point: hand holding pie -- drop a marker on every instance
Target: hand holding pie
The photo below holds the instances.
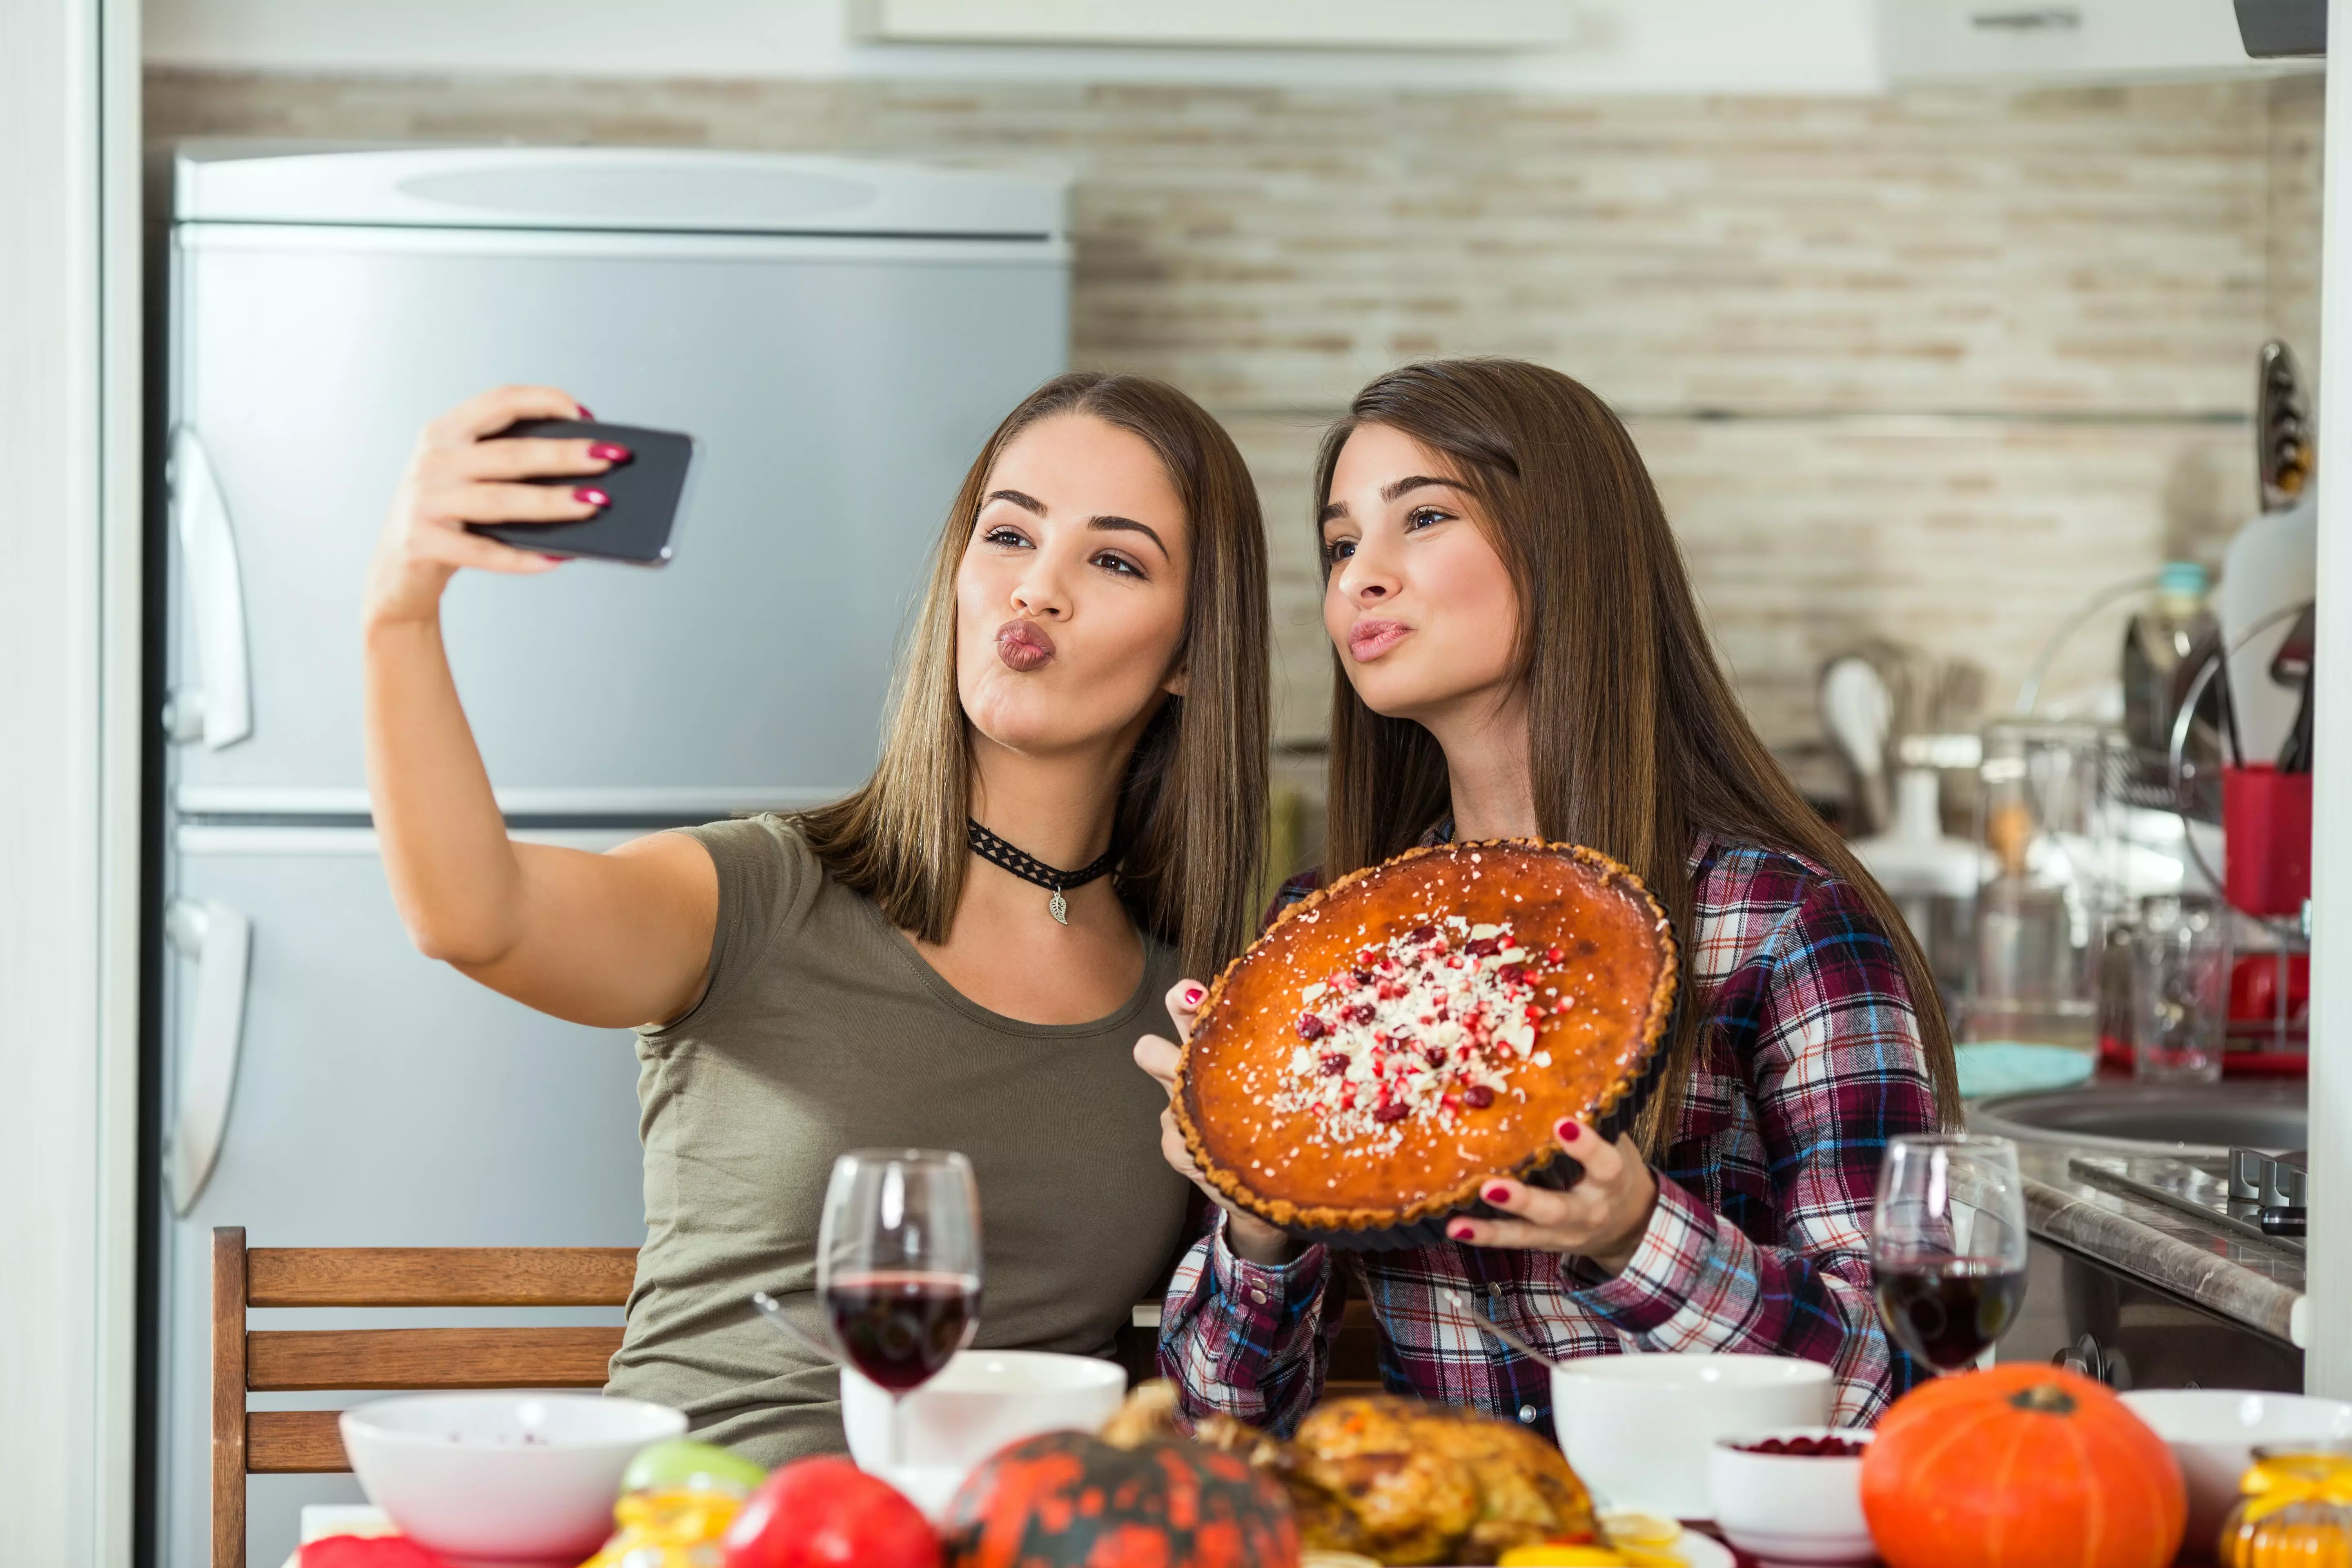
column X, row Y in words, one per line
column 1602, row 1217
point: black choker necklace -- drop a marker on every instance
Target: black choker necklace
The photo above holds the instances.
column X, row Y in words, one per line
column 1029, row 868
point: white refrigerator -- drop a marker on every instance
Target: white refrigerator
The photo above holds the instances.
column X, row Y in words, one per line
column 839, row 336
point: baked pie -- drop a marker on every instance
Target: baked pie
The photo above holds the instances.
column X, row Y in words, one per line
column 1422, row 1025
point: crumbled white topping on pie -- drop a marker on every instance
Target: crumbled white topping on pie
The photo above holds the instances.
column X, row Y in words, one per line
column 1422, row 1028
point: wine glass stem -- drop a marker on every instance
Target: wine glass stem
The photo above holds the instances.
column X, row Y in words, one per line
column 891, row 1447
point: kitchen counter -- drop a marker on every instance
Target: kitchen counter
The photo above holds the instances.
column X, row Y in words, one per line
column 2256, row 1283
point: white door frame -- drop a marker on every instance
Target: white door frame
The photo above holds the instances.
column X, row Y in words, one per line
column 69, row 742
column 2327, row 1307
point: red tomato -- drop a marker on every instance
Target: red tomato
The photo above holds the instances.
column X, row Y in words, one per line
column 828, row 1513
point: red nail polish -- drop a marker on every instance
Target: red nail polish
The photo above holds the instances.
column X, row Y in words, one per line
column 555, row 560
column 1499, row 1194
column 1192, row 995
column 591, row 495
column 583, row 411
column 1567, row 1132
column 608, row 452
column 1459, row 1232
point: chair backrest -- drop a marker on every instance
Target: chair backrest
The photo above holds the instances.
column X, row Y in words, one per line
column 1355, row 1364
column 279, row 1442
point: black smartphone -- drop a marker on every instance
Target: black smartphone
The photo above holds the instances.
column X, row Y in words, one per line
column 648, row 492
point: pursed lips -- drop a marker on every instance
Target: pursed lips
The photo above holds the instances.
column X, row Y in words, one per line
column 1368, row 639
column 1024, row 646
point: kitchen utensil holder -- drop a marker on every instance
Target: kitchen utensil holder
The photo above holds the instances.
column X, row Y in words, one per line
column 2266, row 826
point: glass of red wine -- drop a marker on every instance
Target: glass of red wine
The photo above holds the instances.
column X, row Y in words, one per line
column 1947, row 1246
column 898, row 1263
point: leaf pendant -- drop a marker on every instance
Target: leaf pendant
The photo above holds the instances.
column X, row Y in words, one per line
column 1058, row 908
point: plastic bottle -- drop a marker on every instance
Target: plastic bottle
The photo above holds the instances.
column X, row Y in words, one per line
column 2157, row 642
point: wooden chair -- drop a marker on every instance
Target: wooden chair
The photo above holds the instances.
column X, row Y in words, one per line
column 306, row 1442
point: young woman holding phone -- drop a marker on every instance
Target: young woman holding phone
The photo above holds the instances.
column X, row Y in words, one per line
column 1522, row 656
column 1087, row 681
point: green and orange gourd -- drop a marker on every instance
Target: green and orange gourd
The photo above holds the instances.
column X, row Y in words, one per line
column 1068, row 1501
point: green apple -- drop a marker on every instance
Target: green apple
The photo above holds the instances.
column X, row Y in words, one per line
column 681, row 1464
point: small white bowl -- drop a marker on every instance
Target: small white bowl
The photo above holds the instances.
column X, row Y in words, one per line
column 2213, row 1433
column 1639, row 1428
column 980, row 1402
column 1791, row 1508
column 508, row 1477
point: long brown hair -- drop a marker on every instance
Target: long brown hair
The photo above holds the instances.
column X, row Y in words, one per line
column 1636, row 741
column 1192, row 807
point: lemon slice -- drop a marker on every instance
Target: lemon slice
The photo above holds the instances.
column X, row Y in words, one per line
column 1559, row 1554
column 1625, row 1527
column 1652, row 1557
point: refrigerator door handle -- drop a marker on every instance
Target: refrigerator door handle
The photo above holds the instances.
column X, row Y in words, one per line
column 221, row 942
column 217, row 710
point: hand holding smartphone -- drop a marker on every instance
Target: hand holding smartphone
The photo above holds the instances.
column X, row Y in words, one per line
column 647, row 492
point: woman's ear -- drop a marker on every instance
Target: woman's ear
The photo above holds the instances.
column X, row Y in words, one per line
column 1176, row 683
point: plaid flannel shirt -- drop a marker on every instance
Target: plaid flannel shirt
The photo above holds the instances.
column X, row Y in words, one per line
column 1810, row 1060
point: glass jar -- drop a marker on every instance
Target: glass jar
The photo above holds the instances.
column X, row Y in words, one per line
column 2180, row 990
column 2293, row 1511
column 2043, row 910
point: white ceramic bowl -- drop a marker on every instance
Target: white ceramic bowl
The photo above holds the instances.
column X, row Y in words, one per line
column 2213, row 1433
column 1790, row 1507
column 511, row 1478
column 981, row 1401
column 1639, row 1428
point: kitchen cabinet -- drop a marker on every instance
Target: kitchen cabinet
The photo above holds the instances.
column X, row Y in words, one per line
column 1976, row 40
column 2084, row 1313
column 1294, row 23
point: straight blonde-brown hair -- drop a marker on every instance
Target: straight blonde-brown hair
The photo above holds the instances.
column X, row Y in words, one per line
column 1191, row 822
column 1636, row 741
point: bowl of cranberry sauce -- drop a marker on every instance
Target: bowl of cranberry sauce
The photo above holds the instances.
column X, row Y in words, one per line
column 1793, row 1496
column 1829, row 1446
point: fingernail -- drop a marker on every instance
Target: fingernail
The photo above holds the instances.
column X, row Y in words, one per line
column 1499, row 1194
column 584, row 414
column 1192, row 995
column 608, row 452
column 1458, row 1232
column 1567, row 1131
column 591, row 495
column 555, row 560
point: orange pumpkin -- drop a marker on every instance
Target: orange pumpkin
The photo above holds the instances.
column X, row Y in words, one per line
column 2021, row 1466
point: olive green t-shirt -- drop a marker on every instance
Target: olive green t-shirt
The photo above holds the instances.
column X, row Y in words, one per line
column 823, row 1030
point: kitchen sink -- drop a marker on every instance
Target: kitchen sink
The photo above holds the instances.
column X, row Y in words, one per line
column 2153, row 1119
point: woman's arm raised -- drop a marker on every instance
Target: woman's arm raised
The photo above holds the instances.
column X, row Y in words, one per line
column 612, row 940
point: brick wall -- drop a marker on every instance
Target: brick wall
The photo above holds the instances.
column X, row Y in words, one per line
column 1934, row 365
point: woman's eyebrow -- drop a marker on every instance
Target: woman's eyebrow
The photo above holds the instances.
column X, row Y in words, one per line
column 1334, row 511
column 1113, row 524
column 1026, row 503
column 1413, row 482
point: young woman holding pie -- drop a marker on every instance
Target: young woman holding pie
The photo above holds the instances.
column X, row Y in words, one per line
column 1087, row 681
column 1522, row 657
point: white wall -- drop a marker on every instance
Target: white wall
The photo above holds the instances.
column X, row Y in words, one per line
column 69, row 554
column 1625, row 46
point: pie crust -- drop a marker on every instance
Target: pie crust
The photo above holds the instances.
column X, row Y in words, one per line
column 1420, row 1025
